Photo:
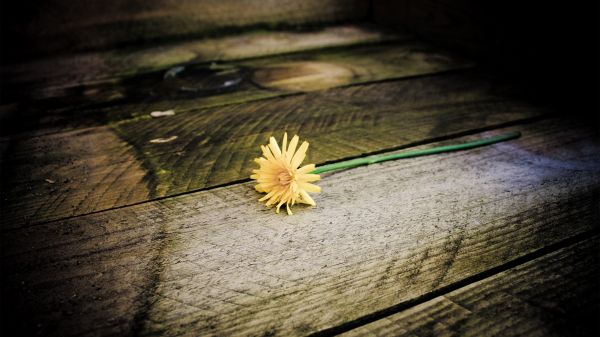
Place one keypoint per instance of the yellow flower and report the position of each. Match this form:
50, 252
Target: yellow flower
280, 177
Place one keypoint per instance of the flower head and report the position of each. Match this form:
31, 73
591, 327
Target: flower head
280, 177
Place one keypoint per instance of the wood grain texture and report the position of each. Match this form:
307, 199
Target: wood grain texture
216, 146
56, 76
554, 295
258, 79
210, 84
217, 262
66, 25
74, 171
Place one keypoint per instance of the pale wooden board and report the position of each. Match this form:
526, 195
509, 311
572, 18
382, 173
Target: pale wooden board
56, 76
555, 295
99, 168
67, 25
217, 262
134, 97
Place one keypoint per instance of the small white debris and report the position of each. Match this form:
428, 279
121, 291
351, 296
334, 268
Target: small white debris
163, 140
50, 181
173, 72
233, 82
157, 114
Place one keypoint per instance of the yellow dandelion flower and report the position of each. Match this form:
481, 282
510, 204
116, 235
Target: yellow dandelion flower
280, 177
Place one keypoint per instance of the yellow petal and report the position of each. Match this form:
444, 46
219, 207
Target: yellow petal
275, 197
308, 177
269, 195
308, 187
306, 169
278, 206
306, 198
278, 175
283, 145
294, 197
299, 156
267, 153
266, 186
274, 148
292, 148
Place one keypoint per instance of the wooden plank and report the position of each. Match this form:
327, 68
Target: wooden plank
554, 295
217, 262
295, 73
409, 57
57, 76
465, 25
209, 84
503, 37
66, 25
100, 168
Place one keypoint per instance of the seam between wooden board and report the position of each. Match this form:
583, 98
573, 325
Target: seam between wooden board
458, 69
523, 121
465, 68
402, 306
282, 94
388, 39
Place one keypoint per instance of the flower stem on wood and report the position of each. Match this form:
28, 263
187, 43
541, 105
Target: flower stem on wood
415, 153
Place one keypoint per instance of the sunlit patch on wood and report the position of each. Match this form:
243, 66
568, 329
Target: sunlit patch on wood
302, 76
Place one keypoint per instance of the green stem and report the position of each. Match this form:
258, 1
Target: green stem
415, 153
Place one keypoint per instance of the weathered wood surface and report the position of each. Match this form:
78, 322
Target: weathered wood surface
554, 295
210, 84
92, 169
67, 25
289, 74
217, 262
57, 76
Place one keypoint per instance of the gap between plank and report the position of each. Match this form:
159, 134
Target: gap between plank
375, 316
282, 94
523, 121
390, 39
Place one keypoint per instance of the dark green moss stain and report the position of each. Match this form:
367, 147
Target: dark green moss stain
154, 270
150, 177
